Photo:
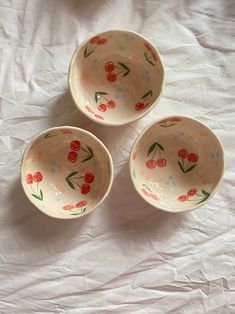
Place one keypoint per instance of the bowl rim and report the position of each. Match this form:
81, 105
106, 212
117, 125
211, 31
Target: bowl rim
142, 133
39, 135
141, 115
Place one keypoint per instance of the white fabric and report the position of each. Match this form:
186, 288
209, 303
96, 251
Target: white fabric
125, 257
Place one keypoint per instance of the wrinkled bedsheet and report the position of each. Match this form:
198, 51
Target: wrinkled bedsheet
125, 257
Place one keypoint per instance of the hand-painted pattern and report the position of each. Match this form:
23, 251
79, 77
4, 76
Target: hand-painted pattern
83, 182
150, 55
188, 161
37, 177
72, 209
56, 132
141, 105
75, 147
91, 111
148, 192
194, 195
165, 123
90, 47
114, 70
156, 149
103, 101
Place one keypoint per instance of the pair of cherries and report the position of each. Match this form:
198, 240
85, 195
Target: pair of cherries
151, 163
109, 105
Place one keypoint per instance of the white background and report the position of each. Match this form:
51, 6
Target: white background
125, 257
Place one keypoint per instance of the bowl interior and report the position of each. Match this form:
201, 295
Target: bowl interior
176, 164
66, 172
115, 77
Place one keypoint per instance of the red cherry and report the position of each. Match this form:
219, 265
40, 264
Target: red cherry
164, 120
102, 41
174, 119
151, 164
183, 153
85, 188
68, 207
94, 39
72, 156
147, 46
155, 197
29, 178
89, 177
139, 106
111, 77
154, 56
102, 107
111, 104
109, 66
161, 162
75, 145
183, 198
134, 156
192, 192
38, 176
81, 204
145, 192
193, 157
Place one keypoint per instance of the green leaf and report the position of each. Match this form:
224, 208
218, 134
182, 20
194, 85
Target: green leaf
134, 174
181, 167
82, 211
126, 68
144, 185
41, 194
151, 62
38, 197
147, 59
97, 95
151, 148
48, 135
86, 54
70, 183
190, 168
88, 158
205, 193
71, 174
146, 56
204, 199
160, 146
90, 150
148, 93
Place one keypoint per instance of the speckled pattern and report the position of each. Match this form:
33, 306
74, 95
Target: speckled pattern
116, 77
176, 164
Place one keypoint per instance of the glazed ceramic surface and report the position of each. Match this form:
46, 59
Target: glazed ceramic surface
66, 172
176, 164
116, 77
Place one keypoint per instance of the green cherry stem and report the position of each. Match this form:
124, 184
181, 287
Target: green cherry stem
37, 187
154, 152
32, 189
76, 183
120, 72
182, 161
85, 150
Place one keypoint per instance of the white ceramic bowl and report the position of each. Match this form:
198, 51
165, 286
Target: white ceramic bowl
116, 77
66, 172
176, 164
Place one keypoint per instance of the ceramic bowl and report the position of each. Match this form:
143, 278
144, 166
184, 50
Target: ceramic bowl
66, 172
176, 164
116, 77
